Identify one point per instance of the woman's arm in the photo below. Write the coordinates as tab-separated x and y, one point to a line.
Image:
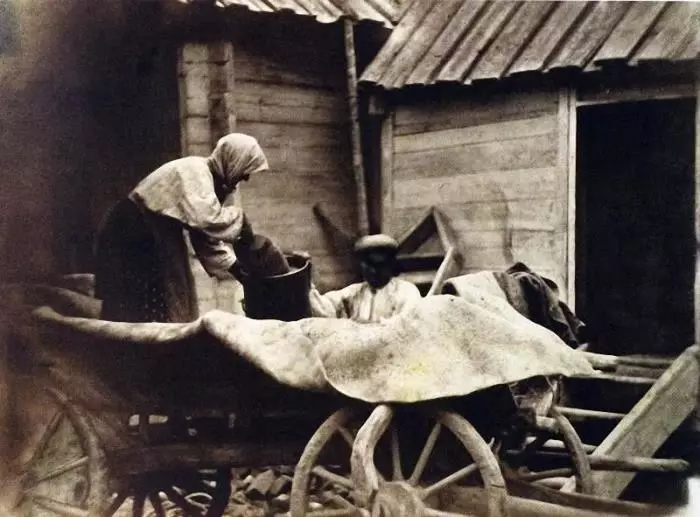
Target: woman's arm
216	257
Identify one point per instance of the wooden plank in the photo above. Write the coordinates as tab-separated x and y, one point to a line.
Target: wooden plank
176	456
511	41
577	414
501	258
419	231
644	429
255	112
548	38
438	52
494	132
305	163
309	187
481	108
678	89
630	31
696	286
286	212
419	42
475	41
536	503
678	23
531	184
443	272
299	136
273	60
387	173
491	215
589	35
5	394
535	152
691	48
622	379
568	130
636	464
444	230
399	36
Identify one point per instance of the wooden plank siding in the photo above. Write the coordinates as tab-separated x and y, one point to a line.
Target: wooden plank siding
493	164
296	107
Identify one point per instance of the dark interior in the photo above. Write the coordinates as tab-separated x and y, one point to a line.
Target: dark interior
635	248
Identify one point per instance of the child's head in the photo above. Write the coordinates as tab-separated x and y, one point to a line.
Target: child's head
377	256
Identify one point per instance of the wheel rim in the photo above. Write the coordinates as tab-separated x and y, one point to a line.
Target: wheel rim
580	468
396	490
308	470
65	472
194	493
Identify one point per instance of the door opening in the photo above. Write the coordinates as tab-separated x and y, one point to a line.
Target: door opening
635	237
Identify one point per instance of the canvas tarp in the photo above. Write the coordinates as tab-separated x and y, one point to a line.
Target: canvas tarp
445	346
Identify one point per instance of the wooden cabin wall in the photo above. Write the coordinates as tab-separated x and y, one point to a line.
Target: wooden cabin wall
290	93
495	163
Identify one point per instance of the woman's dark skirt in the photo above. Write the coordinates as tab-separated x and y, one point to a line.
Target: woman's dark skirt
142	270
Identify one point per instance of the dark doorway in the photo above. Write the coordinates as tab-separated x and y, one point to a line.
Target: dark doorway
635	238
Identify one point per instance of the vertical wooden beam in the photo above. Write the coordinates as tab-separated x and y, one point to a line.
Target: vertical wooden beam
387	171
568	122
697	208
356	138
5	394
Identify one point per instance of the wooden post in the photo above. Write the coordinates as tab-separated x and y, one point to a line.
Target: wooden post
4	401
387	171
567	128
697	209
356	139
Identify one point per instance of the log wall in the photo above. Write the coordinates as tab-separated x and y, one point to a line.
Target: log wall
290	93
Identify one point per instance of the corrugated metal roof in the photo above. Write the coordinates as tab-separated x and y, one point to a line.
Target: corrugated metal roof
462	41
325	11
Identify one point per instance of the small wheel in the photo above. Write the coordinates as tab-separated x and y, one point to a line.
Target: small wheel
195	493
63	471
376	485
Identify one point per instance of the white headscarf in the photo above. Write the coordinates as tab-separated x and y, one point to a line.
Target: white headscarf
235	156
184	189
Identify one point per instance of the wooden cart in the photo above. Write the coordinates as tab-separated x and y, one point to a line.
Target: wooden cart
625	413
99	420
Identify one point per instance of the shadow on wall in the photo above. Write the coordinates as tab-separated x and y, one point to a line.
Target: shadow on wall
84	86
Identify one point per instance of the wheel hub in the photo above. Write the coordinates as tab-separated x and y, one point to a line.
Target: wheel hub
397	499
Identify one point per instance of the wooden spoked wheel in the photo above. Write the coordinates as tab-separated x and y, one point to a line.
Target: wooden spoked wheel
555	427
401	462
192	493
62	472
317	474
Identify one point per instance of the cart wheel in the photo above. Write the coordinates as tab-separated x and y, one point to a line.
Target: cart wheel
334	435
378	486
581	466
64	472
193	493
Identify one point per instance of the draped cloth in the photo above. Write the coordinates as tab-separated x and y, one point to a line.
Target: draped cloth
142	271
443	346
